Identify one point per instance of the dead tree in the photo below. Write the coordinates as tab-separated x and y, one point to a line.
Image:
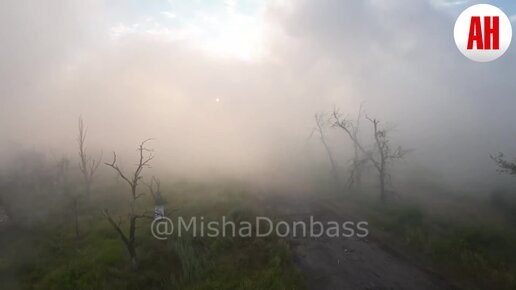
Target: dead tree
383	151
385	154
504	166
87	164
145	156
320	123
358	163
159	202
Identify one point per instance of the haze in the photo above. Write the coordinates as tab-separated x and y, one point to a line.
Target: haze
229	88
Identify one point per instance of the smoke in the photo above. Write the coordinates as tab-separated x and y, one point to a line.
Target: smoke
226	116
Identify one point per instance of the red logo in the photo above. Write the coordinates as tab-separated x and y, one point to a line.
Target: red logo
486	38
483	32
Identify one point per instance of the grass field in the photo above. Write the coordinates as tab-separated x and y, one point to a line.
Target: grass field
47	254
470	241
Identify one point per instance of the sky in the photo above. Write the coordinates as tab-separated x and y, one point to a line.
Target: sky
231	87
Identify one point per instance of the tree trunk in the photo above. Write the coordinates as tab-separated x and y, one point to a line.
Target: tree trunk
128	241
357	178
382	186
130	245
134	258
334	169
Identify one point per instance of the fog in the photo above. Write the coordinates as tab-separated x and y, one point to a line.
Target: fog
132	75
226	96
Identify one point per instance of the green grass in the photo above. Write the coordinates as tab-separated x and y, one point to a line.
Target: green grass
252	264
47	255
479	253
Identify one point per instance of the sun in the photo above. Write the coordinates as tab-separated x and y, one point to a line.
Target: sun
229	32
237	36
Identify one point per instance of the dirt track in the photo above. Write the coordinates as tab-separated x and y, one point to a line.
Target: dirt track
349	263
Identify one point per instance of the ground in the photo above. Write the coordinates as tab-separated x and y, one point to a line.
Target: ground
350	263
408	247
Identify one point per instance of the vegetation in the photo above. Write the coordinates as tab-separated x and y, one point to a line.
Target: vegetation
145	156
47	255
63	244
469	241
380	155
504	166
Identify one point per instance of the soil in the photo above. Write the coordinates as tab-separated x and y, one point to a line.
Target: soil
348	263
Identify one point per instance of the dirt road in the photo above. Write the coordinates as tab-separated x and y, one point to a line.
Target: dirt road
349	263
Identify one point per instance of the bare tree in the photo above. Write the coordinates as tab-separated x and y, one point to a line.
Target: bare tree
504	166
358	163
383	151
159	202
87	164
145	156
320	124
